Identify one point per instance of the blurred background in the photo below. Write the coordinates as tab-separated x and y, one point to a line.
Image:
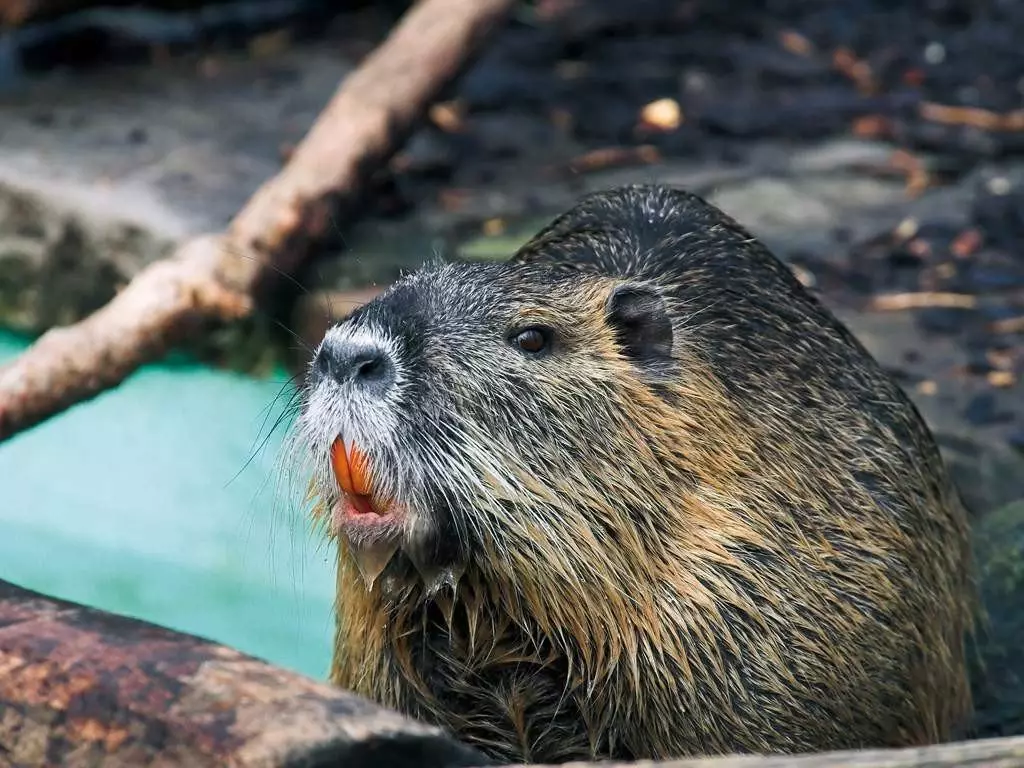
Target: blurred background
878	147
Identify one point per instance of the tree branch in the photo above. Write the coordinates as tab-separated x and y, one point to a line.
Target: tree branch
218	277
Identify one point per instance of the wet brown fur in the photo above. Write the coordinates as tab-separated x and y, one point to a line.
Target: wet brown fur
755	554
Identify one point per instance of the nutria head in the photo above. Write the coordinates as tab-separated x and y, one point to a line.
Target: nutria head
634	493
496	414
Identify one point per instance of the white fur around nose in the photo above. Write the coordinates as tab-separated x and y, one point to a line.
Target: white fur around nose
363	336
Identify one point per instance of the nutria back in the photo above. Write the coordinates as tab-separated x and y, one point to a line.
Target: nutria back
635	493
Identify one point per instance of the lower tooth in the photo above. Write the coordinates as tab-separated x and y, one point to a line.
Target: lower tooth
372	559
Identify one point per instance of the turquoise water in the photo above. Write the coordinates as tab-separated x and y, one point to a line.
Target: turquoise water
144	501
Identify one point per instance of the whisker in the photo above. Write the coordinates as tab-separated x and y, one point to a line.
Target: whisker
235	250
302	342
289	410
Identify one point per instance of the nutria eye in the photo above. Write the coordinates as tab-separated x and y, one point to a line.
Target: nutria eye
532	340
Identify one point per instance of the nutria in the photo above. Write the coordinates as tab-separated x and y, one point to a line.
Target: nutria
635	493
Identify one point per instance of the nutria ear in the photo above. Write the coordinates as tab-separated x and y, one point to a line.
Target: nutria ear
641	322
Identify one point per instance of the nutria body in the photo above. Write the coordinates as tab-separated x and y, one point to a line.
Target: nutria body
639	495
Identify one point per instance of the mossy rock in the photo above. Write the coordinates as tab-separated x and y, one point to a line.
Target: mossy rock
997	654
505	240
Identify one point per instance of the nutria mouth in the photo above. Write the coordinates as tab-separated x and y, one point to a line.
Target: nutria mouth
372	526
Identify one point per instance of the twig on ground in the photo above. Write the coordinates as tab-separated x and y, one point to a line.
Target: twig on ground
975	117
1008	325
614	157
915	171
895	302
856	69
219	277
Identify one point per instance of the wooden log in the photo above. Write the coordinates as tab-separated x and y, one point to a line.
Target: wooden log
221	278
79	686
988	753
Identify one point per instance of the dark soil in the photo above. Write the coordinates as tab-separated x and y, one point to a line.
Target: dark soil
941	80
566	83
745	70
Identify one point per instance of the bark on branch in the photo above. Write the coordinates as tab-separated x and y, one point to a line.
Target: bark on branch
216	277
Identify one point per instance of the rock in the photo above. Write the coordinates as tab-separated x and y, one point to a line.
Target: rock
988	472
106	171
61	258
821	200
983	409
85	687
998	654
773	202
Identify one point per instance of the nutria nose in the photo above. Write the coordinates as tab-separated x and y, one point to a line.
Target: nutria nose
366	366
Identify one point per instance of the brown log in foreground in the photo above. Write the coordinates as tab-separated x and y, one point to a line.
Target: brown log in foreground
217	277
985	753
80	686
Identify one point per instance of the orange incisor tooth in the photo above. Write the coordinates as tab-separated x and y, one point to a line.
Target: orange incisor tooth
339	461
359	468
351	469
